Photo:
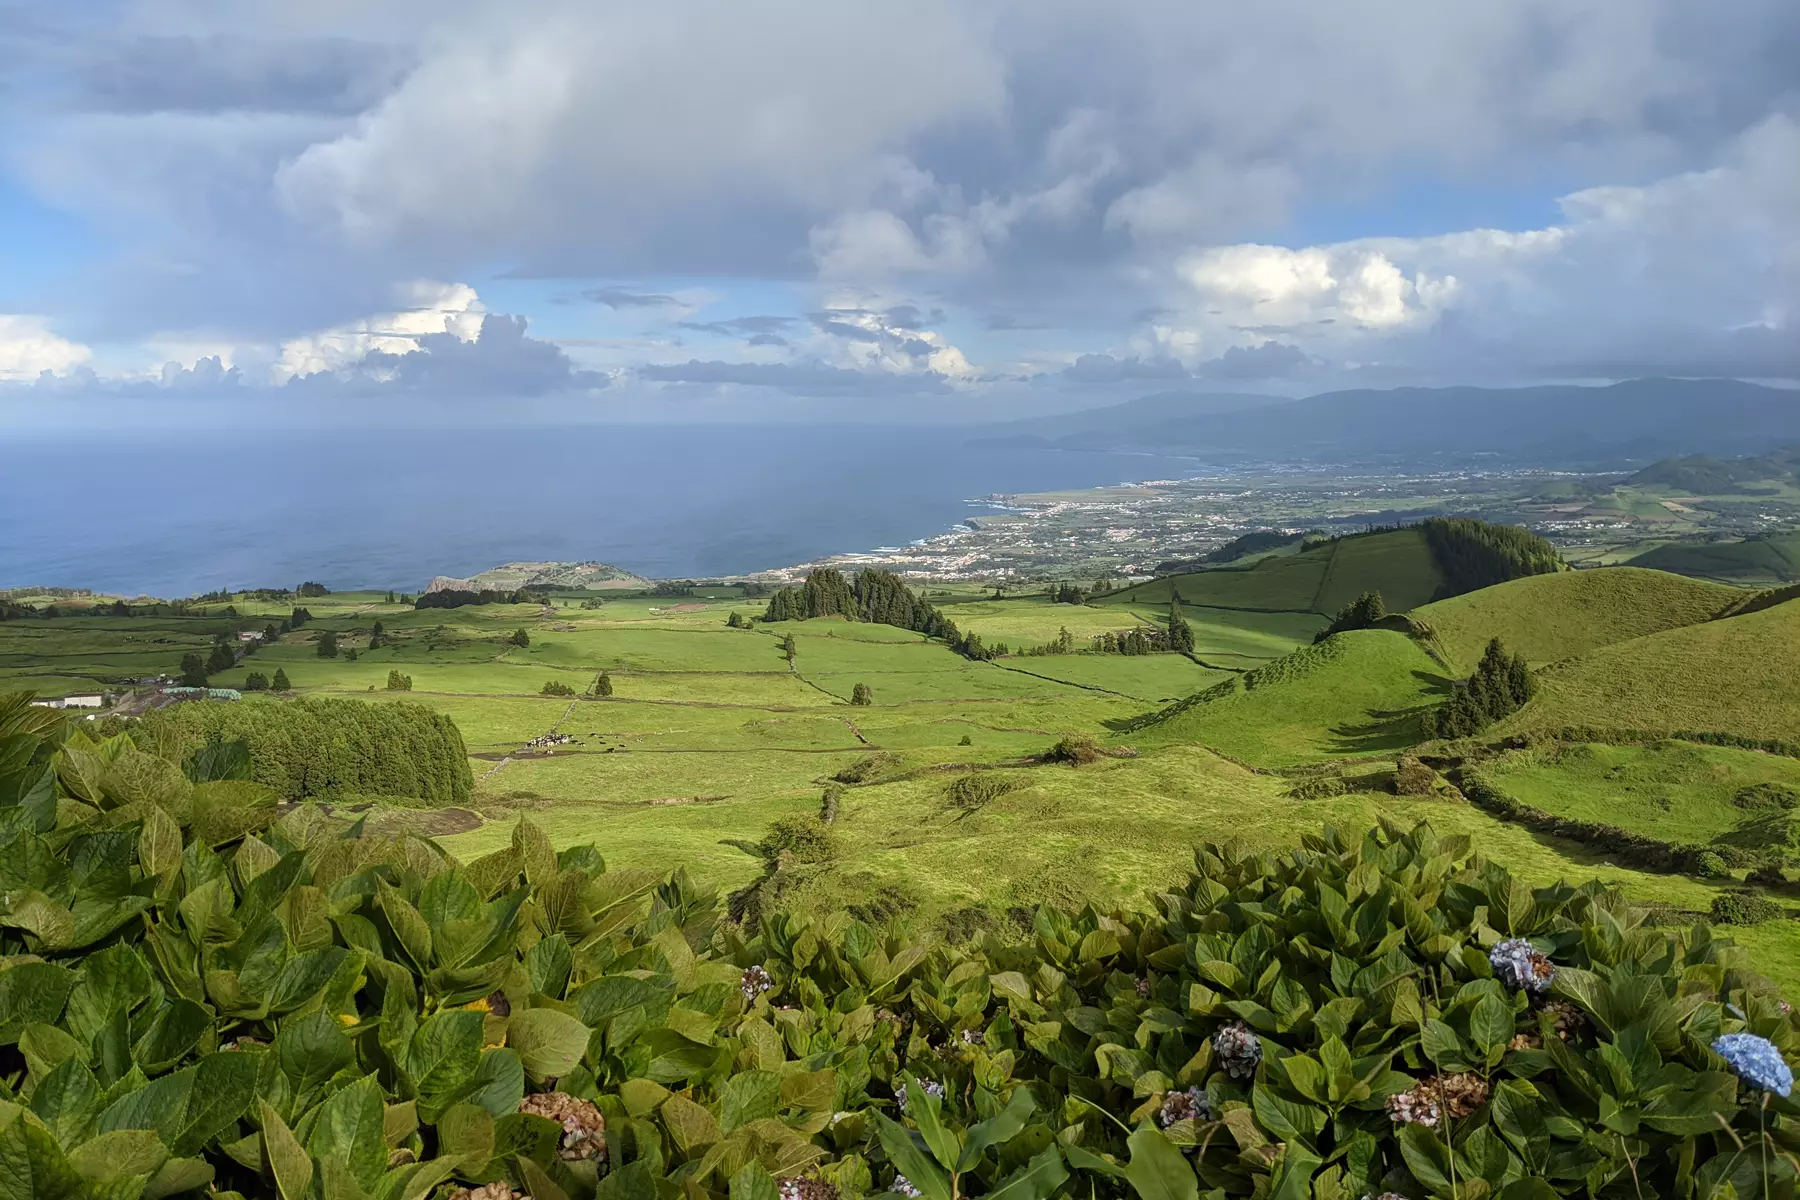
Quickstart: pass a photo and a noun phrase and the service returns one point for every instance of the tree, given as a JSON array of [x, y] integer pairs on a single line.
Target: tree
[[734, 621], [390, 597], [521, 638], [861, 696], [787, 647], [396, 682], [603, 685], [375, 637], [221, 659], [193, 671], [350, 655], [256, 681], [298, 618], [1181, 634], [327, 646], [280, 682]]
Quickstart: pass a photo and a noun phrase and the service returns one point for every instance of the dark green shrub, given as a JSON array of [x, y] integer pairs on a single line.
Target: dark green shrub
[[1708, 865], [1413, 778], [1744, 908], [973, 791], [1318, 787], [557, 687], [1767, 796], [1075, 749], [867, 768]]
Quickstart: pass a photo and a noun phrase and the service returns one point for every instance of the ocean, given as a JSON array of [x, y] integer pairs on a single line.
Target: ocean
[[174, 513]]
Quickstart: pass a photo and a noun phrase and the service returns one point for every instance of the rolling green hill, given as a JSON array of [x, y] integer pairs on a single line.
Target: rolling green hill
[[1356, 693], [1322, 579], [1757, 560], [1551, 617], [1740, 675]]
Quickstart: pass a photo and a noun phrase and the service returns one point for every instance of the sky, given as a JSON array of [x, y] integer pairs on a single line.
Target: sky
[[715, 210]]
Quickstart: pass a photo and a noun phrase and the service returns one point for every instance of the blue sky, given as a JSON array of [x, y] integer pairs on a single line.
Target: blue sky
[[956, 209]]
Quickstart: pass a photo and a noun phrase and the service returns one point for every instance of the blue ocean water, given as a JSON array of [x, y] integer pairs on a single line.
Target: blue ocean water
[[175, 513]]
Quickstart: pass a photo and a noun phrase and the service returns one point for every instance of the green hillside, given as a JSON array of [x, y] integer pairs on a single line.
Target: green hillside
[[1551, 617], [1758, 560], [1740, 675], [1356, 693], [1322, 579]]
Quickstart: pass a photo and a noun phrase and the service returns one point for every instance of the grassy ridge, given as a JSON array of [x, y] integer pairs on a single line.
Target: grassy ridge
[[1760, 560], [1360, 693], [1551, 617], [1740, 675], [1398, 565]]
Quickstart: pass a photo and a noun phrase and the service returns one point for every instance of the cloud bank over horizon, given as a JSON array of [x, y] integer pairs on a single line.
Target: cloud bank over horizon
[[958, 206]]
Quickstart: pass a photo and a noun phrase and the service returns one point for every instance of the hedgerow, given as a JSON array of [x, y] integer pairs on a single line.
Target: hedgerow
[[198, 997]]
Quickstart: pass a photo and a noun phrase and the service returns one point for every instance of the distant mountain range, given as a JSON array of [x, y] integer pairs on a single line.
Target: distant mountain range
[[1636, 419]]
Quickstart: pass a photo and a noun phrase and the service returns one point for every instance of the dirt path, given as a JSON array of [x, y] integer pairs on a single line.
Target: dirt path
[[502, 764]]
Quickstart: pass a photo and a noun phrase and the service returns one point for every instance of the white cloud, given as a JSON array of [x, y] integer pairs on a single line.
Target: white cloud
[[425, 307], [28, 348]]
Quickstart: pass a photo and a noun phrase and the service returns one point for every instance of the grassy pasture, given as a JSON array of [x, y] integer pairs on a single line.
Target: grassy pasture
[[1762, 561], [1286, 584], [1674, 791], [1740, 675], [1552, 617]]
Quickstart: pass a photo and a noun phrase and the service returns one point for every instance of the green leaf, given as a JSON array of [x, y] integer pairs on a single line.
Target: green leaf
[[753, 1183], [466, 1135], [1035, 1180], [311, 1049], [1443, 1047], [32, 1165], [29, 992], [173, 1031], [288, 1160], [549, 1043], [1491, 1027], [112, 1159], [178, 1176], [690, 1126], [350, 1128], [548, 964], [189, 1107], [926, 1109], [748, 1096], [538, 1184], [499, 1082], [67, 1100], [999, 1129], [536, 853], [159, 843], [911, 1160], [442, 1057], [1157, 1170]]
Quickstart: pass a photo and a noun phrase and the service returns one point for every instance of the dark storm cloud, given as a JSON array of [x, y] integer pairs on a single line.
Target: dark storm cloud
[[616, 297]]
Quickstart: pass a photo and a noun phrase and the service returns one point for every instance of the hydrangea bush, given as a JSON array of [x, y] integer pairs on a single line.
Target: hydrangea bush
[[199, 997]]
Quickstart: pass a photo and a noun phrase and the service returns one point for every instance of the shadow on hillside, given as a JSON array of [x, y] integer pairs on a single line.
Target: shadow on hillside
[[1392, 729]]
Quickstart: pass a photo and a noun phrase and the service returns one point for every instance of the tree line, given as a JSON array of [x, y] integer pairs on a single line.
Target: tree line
[[1475, 554], [461, 597], [318, 747]]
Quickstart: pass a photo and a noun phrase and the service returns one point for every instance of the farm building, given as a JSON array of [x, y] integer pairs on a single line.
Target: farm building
[[85, 700]]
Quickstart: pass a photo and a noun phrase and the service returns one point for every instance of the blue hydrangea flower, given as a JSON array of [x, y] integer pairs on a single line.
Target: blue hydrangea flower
[[1756, 1061], [1518, 964]]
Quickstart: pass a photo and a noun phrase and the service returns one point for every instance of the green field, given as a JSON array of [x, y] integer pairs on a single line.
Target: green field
[[1321, 580], [1759, 561], [1552, 617], [1740, 675], [1669, 790], [711, 734]]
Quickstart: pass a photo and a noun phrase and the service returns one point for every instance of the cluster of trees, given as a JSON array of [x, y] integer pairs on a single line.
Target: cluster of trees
[[736, 621], [1132, 641], [460, 597], [1067, 593], [1475, 554], [1365, 612], [521, 638], [1501, 685], [296, 619], [378, 637], [556, 687], [602, 686], [396, 682], [862, 695], [1064, 644], [1181, 634], [256, 681], [316, 747], [328, 644], [309, 588], [875, 595]]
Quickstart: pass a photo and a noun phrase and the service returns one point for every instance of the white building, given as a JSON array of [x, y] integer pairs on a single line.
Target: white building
[[88, 700]]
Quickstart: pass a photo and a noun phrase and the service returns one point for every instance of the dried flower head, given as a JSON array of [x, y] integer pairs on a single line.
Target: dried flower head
[[974, 1037], [1237, 1050], [1756, 1061], [1143, 988], [1430, 1100], [584, 1129], [1410, 1108], [488, 1191], [1519, 964], [904, 1186], [1191, 1105], [755, 982], [794, 1188]]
